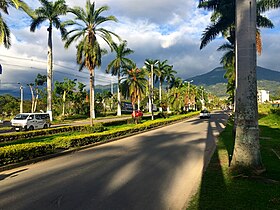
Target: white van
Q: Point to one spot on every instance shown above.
(31, 121)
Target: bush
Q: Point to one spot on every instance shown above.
(162, 115)
(275, 111)
(20, 152)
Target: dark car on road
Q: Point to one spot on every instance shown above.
(204, 114)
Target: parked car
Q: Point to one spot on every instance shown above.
(204, 114)
(137, 113)
(31, 121)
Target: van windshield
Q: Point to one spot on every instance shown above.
(21, 116)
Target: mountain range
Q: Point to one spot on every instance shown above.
(212, 81)
(217, 76)
(215, 82)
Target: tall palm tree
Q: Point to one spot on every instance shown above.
(160, 75)
(121, 61)
(50, 11)
(134, 84)
(223, 19)
(169, 77)
(5, 34)
(176, 96)
(246, 149)
(85, 28)
(151, 68)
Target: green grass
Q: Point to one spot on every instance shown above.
(220, 190)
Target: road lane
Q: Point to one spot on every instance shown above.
(159, 169)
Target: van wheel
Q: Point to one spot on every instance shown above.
(31, 128)
(45, 126)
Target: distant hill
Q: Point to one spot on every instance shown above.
(215, 82)
(217, 76)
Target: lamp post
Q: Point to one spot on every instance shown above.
(21, 98)
(152, 85)
(189, 82)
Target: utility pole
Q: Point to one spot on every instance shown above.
(21, 98)
(152, 86)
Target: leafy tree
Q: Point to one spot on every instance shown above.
(65, 89)
(85, 29)
(5, 35)
(121, 61)
(9, 105)
(50, 11)
(81, 106)
(103, 98)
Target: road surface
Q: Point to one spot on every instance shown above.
(159, 169)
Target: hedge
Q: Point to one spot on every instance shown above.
(44, 132)
(19, 152)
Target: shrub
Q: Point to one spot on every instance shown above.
(19, 152)
(275, 111)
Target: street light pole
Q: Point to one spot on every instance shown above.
(152, 90)
(21, 98)
(152, 86)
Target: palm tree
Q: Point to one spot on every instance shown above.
(223, 19)
(176, 96)
(50, 11)
(246, 153)
(119, 62)
(134, 84)
(151, 68)
(169, 77)
(85, 29)
(160, 76)
(5, 35)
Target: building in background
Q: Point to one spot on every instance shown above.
(263, 96)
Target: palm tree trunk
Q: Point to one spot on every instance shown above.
(49, 72)
(119, 113)
(150, 99)
(246, 150)
(32, 98)
(36, 100)
(168, 92)
(160, 90)
(63, 103)
(91, 93)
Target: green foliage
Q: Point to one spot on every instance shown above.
(162, 115)
(275, 111)
(17, 153)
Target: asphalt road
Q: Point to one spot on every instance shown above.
(159, 169)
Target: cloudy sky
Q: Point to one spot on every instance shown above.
(158, 29)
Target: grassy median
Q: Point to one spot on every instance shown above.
(221, 190)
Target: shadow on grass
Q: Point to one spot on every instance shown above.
(219, 190)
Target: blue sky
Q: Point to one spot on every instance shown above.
(158, 29)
